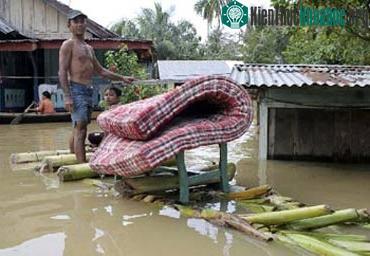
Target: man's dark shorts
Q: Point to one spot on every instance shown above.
(82, 103)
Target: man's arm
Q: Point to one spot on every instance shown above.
(108, 74)
(65, 56)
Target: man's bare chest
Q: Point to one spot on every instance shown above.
(82, 53)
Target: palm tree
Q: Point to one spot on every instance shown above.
(154, 24)
(126, 28)
(209, 10)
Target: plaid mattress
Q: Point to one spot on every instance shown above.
(143, 134)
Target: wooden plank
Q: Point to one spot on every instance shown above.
(40, 17)
(321, 96)
(28, 14)
(263, 132)
(360, 135)
(284, 148)
(271, 131)
(183, 176)
(342, 134)
(224, 181)
(51, 20)
(323, 135)
(16, 18)
(304, 128)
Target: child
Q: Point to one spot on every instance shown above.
(111, 99)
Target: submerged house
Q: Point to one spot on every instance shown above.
(311, 112)
(31, 32)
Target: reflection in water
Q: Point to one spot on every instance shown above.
(169, 212)
(37, 212)
(204, 228)
(51, 244)
(60, 217)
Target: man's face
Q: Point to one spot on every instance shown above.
(77, 26)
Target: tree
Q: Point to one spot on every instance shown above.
(171, 41)
(209, 10)
(221, 46)
(125, 62)
(326, 45)
(323, 46)
(126, 28)
(265, 45)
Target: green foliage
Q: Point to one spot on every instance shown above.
(171, 41)
(334, 46)
(126, 63)
(210, 9)
(326, 45)
(221, 46)
(265, 45)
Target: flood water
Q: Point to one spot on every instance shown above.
(39, 216)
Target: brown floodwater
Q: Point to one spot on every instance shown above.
(39, 216)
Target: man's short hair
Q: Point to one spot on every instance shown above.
(74, 14)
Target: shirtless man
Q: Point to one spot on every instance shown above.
(77, 65)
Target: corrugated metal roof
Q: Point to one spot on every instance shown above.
(5, 28)
(186, 69)
(7, 31)
(92, 27)
(274, 75)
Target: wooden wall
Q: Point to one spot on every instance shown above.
(34, 18)
(341, 135)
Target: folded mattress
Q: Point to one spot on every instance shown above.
(143, 134)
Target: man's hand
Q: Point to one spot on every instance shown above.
(68, 104)
(128, 79)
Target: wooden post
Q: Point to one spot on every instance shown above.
(183, 176)
(224, 181)
(263, 131)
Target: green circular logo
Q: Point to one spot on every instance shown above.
(234, 15)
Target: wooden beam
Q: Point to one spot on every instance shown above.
(263, 137)
(14, 46)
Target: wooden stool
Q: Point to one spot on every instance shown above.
(186, 181)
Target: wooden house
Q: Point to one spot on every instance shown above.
(311, 112)
(31, 32)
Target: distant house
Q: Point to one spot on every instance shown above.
(311, 112)
(178, 71)
(31, 32)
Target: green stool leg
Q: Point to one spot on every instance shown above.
(183, 175)
(224, 181)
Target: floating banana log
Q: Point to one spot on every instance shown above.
(51, 163)
(319, 247)
(282, 217)
(75, 172)
(38, 156)
(340, 216)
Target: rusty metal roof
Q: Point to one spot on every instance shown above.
(92, 27)
(279, 75)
